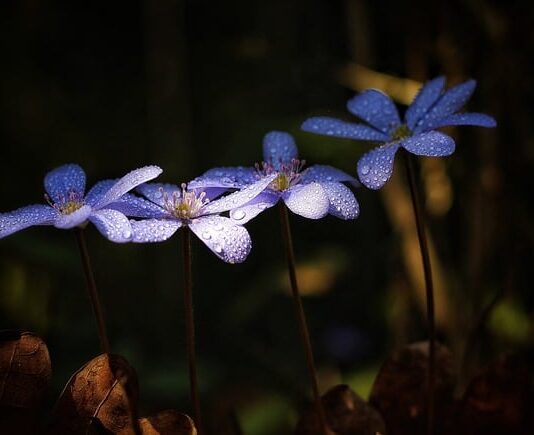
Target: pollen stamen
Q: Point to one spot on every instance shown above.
(184, 205)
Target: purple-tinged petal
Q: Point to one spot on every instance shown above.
(227, 177)
(251, 209)
(62, 181)
(156, 192)
(25, 217)
(431, 144)
(307, 200)
(133, 206)
(345, 130)
(98, 191)
(153, 230)
(450, 102)
(74, 219)
(228, 241)
(113, 225)
(279, 148)
(326, 173)
(477, 119)
(211, 193)
(424, 100)
(237, 199)
(375, 108)
(376, 166)
(127, 183)
(343, 203)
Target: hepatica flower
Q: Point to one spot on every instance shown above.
(431, 109)
(310, 192)
(68, 206)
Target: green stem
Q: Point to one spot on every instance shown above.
(301, 316)
(427, 269)
(92, 290)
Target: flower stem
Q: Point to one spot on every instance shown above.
(301, 317)
(427, 269)
(93, 292)
(190, 328)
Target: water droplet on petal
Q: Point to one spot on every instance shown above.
(206, 235)
(238, 215)
(217, 248)
(365, 169)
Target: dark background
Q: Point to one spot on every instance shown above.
(189, 85)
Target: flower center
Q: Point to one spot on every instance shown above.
(288, 174)
(401, 132)
(67, 204)
(184, 205)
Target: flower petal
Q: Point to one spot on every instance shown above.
(61, 181)
(229, 241)
(307, 200)
(375, 108)
(127, 183)
(345, 130)
(431, 144)
(326, 173)
(133, 206)
(343, 203)
(448, 103)
(251, 209)
(68, 221)
(25, 217)
(376, 166)
(228, 177)
(98, 191)
(237, 199)
(279, 148)
(424, 100)
(113, 225)
(153, 230)
(156, 192)
(477, 119)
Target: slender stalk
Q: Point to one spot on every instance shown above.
(190, 328)
(427, 269)
(92, 290)
(301, 317)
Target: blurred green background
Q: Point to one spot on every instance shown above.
(190, 85)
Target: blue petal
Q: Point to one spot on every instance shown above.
(25, 217)
(477, 119)
(74, 219)
(113, 225)
(307, 200)
(98, 191)
(156, 192)
(424, 100)
(237, 199)
(227, 177)
(251, 209)
(376, 166)
(228, 241)
(449, 103)
(345, 130)
(343, 203)
(61, 181)
(431, 144)
(376, 108)
(153, 230)
(133, 206)
(325, 173)
(279, 148)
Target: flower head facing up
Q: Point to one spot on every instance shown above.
(186, 205)
(432, 108)
(69, 207)
(311, 192)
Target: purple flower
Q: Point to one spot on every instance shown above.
(168, 207)
(312, 193)
(69, 207)
(431, 109)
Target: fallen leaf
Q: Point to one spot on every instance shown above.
(168, 422)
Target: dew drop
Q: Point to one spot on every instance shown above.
(365, 169)
(217, 248)
(206, 235)
(238, 215)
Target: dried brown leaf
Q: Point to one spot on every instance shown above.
(168, 422)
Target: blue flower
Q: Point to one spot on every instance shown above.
(431, 109)
(69, 207)
(168, 207)
(312, 193)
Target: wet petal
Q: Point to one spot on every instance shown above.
(279, 148)
(71, 220)
(251, 209)
(375, 108)
(127, 183)
(98, 191)
(424, 100)
(229, 241)
(133, 206)
(326, 173)
(477, 119)
(227, 177)
(343, 203)
(113, 225)
(153, 230)
(376, 166)
(25, 217)
(237, 199)
(431, 144)
(345, 130)
(307, 200)
(156, 192)
(61, 181)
